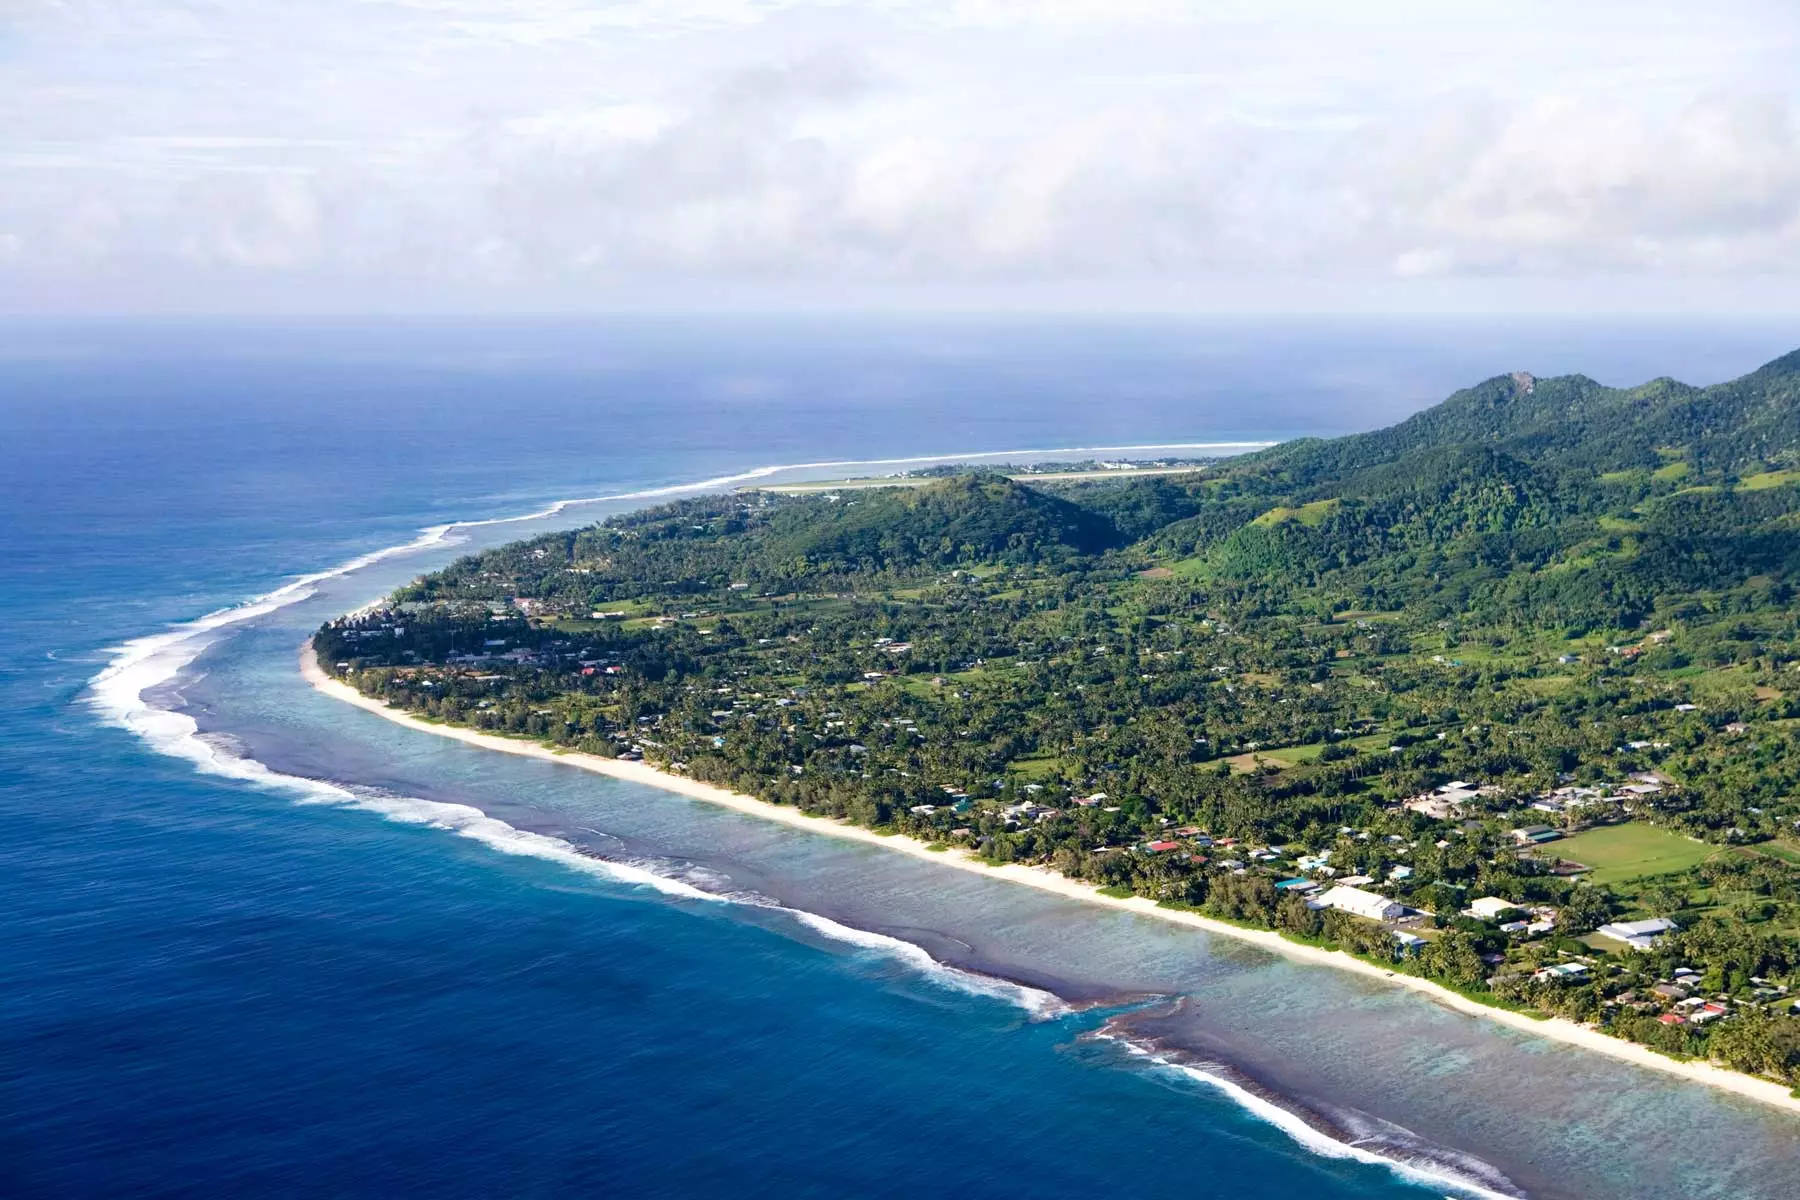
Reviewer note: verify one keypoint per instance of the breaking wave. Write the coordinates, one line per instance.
(1346, 1136)
(1040, 1005)
(125, 693)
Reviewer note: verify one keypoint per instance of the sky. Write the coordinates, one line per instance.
(339, 156)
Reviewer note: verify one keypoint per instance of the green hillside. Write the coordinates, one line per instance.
(1573, 602)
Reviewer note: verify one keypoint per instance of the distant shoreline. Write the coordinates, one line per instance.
(1556, 1029)
(881, 481)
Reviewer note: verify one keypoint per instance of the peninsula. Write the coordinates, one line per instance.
(1499, 702)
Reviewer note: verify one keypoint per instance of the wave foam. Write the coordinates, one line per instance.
(1414, 1168)
(121, 694)
(146, 662)
(1039, 1004)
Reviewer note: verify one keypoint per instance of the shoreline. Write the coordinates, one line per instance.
(1557, 1029)
(795, 489)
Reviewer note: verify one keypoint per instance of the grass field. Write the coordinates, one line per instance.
(1036, 768)
(1674, 470)
(1768, 479)
(1313, 513)
(1632, 851)
(1787, 852)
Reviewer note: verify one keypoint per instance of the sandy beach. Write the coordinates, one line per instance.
(1555, 1029)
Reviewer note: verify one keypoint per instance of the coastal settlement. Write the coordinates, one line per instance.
(1450, 697)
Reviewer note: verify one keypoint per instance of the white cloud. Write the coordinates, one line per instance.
(411, 153)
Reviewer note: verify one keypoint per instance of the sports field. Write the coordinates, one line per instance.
(1632, 851)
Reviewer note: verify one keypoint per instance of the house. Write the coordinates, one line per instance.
(1672, 1019)
(1535, 835)
(1562, 973)
(1408, 940)
(1162, 847)
(1489, 907)
(1299, 887)
(1639, 935)
(1359, 903)
(1440, 804)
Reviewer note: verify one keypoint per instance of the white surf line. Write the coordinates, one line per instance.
(1430, 1174)
(118, 694)
(146, 662)
(1038, 1005)
(1555, 1029)
(1765, 1091)
(1226, 449)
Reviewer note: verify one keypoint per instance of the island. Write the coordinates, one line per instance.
(1502, 702)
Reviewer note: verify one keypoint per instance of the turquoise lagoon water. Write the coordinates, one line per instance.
(261, 943)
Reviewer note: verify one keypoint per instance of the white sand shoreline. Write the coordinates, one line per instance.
(1556, 1028)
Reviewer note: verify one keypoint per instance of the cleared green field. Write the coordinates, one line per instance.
(1282, 756)
(1768, 479)
(1786, 852)
(1632, 851)
(1674, 470)
(1313, 513)
(1036, 768)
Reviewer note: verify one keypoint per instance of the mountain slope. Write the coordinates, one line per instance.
(1552, 499)
(963, 518)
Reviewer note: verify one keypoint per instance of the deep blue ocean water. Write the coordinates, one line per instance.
(216, 983)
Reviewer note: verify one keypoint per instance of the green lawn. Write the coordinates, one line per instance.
(1041, 767)
(1632, 851)
(1282, 756)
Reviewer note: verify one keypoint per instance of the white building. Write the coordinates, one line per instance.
(1639, 935)
(1489, 907)
(1359, 903)
(1441, 804)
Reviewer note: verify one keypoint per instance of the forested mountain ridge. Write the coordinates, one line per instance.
(697, 545)
(1572, 421)
(1592, 500)
(1573, 600)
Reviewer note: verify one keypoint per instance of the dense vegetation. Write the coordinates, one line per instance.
(1202, 687)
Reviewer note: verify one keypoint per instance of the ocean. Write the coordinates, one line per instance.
(258, 942)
